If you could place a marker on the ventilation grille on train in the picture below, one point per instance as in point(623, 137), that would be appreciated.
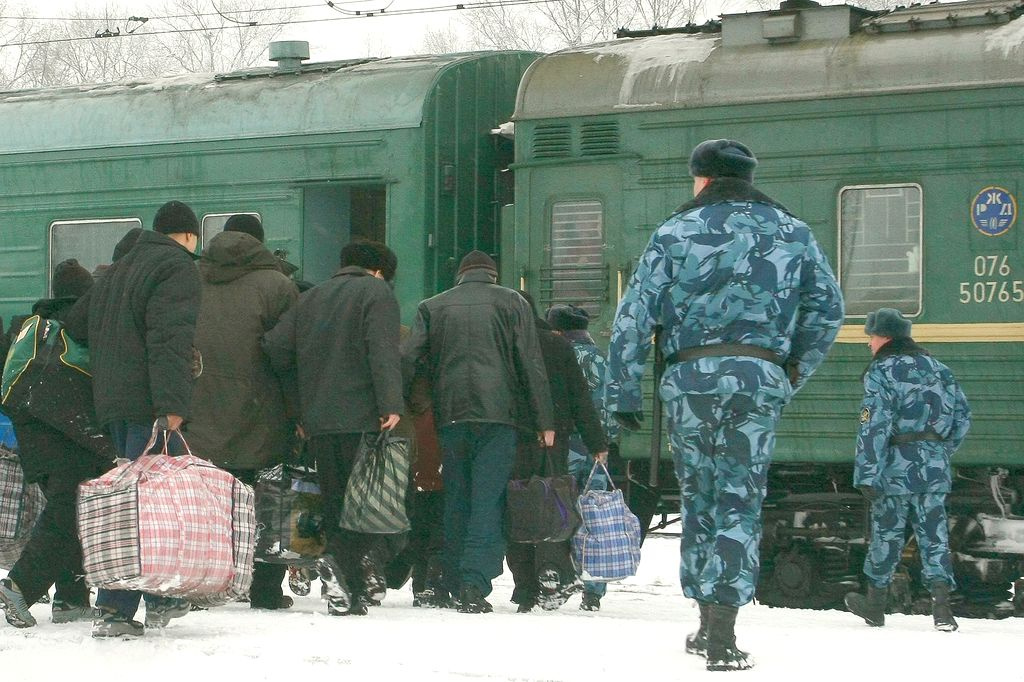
point(599, 138)
point(552, 141)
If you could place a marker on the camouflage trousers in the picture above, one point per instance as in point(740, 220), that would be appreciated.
point(722, 447)
point(889, 516)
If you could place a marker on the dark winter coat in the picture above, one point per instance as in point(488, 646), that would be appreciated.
point(478, 345)
point(238, 414)
point(341, 341)
point(141, 319)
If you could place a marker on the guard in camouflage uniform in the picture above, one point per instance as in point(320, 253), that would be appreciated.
point(913, 418)
point(748, 307)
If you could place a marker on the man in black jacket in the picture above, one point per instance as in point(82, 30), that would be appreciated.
point(543, 573)
point(340, 340)
point(477, 343)
point(141, 322)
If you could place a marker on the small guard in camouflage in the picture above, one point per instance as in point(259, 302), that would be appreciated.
point(913, 418)
point(748, 307)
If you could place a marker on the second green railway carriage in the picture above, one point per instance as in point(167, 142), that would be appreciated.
point(896, 136)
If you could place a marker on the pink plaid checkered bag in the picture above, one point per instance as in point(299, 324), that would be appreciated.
point(172, 526)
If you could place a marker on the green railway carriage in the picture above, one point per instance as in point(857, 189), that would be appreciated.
point(897, 137)
point(393, 149)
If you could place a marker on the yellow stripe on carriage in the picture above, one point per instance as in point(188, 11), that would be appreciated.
point(979, 332)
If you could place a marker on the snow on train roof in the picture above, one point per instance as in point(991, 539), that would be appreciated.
point(331, 97)
point(695, 70)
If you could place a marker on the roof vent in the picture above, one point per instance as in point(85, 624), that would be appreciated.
point(289, 54)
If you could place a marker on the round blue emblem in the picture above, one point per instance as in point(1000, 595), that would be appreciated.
point(993, 211)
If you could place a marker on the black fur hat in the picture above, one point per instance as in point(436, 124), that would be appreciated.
point(370, 255)
point(566, 317)
point(175, 217)
point(245, 222)
point(887, 322)
point(70, 280)
point(722, 158)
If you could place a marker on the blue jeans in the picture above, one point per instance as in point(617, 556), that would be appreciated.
point(130, 439)
point(477, 458)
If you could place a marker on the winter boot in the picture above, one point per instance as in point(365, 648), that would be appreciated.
point(15, 608)
point(298, 581)
point(697, 642)
point(942, 613)
point(471, 600)
point(591, 602)
point(373, 578)
point(553, 592)
point(113, 625)
point(282, 602)
point(158, 615)
point(339, 598)
point(722, 651)
point(870, 607)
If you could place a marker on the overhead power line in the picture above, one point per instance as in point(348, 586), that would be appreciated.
point(177, 16)
point(354, 14)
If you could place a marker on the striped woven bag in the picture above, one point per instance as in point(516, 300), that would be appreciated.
point(375, 495)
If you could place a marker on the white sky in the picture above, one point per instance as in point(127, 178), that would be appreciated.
point(344, 37)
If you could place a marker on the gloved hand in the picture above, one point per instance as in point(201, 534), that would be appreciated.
point(629, 420)
point(869, 493)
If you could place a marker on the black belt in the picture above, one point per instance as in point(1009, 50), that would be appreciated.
point(722, 349)
point(904, 438)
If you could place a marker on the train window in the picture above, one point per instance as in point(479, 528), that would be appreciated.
point(577, 274)
point(91, 242)
point(213, 224)
point(880, 248)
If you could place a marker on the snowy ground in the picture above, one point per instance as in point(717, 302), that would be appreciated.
point(637, 637)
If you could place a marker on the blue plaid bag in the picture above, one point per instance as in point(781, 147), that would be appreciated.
point(607, 545)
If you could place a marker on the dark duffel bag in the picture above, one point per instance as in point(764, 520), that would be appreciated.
point(289, 515)
point(541, 508)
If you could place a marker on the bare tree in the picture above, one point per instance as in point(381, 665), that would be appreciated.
point(504, 28)
point(442, 41)
point(223, 36)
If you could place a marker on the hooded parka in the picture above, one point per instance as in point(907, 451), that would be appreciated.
point(239, 419)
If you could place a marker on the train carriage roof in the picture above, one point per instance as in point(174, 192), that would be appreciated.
point(330, 97)
point(843, 51)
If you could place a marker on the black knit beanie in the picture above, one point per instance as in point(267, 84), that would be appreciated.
point(566, 317)
point(477, 260)
point(722, 158)
point(887, 322)
point(174, 217)
point(70, 280)
point(127, 243)
point(245, 222)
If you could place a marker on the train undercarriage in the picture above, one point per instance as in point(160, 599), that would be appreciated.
point(816, 531)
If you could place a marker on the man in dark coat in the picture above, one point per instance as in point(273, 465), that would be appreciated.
point(477, 344)
point(239, 420)
point(58, 463)
point(544, 575)
point(141, 322)
point(341, 342)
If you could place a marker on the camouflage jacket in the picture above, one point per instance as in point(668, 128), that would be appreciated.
point(594, 366)
point(732, 266)
point(907, 391)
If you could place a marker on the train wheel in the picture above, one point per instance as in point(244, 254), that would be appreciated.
point(795, 582)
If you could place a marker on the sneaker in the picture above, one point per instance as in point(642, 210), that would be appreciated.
point(298, 581)
point(471, 600)
point(283, 602)
point(113, 625)
point(553, 592)
point(591, 602)
point(15, 608)
point(339, 599)
point(160, 614)
point(62, 612)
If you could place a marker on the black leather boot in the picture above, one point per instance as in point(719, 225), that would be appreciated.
point(870, 607)
point(697, 642)
point(942, 613)
point(722, 651)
